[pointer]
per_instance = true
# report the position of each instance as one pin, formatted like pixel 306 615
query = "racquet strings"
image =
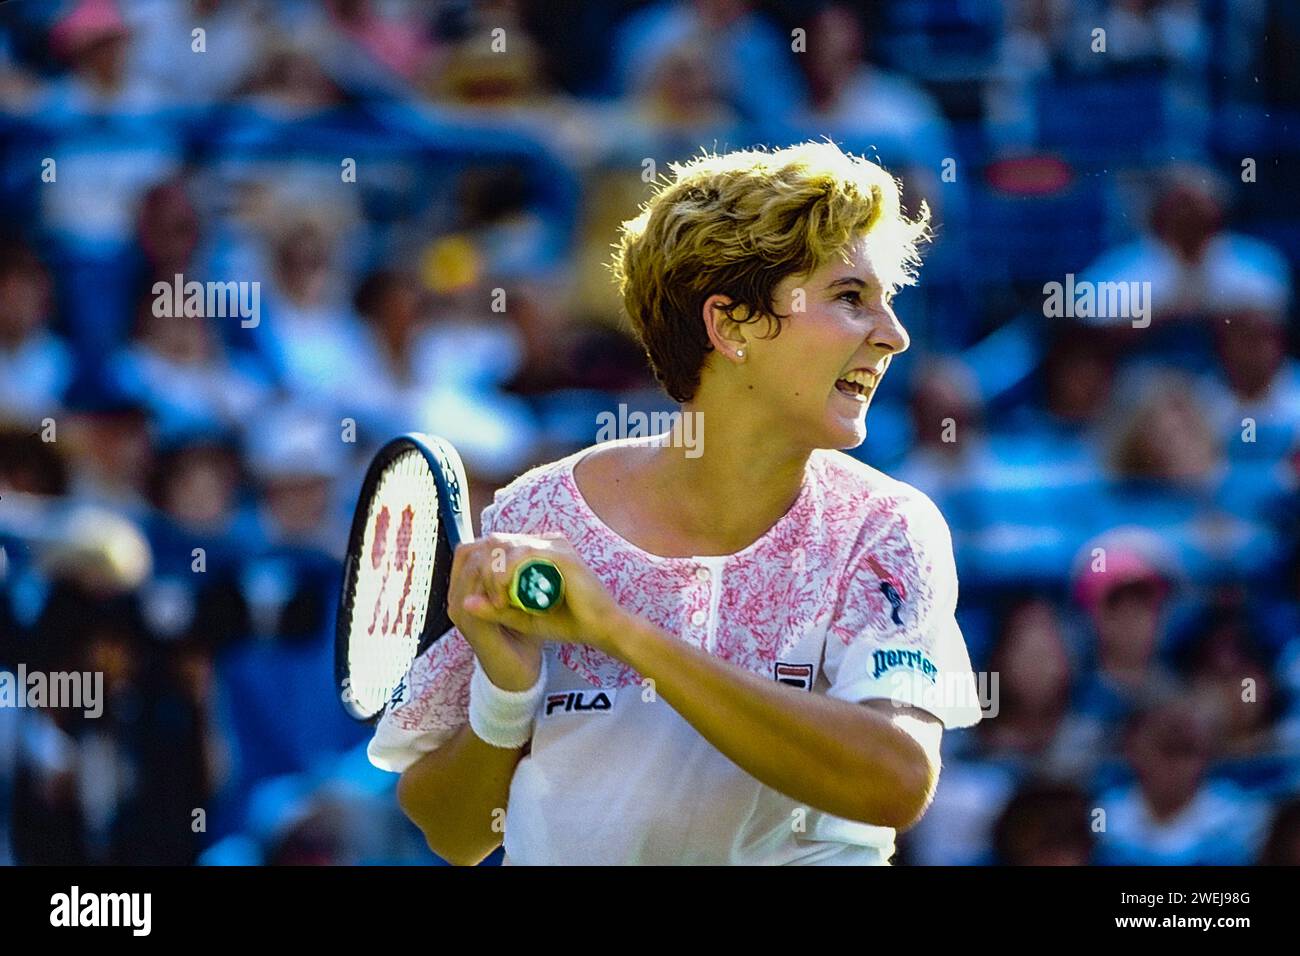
pixel 395 570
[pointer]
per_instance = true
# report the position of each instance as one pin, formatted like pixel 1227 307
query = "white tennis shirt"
pixel 851 593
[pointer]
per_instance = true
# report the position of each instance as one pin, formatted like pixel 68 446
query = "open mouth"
pixel 856 384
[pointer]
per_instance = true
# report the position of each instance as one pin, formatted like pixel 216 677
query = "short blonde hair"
pixel 739 223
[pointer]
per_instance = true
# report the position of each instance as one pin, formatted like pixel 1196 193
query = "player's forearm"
pixel 457 796
pixel 838 757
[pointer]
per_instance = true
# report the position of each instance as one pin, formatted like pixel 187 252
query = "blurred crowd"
pixel 425 194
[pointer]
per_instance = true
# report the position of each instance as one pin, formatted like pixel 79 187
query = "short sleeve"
pixel 894 633
pixel 435 701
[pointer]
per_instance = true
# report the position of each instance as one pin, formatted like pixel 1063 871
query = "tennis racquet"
pixel 411 514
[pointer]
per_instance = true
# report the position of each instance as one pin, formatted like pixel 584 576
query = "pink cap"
pixel 1131 556
pixel 89 20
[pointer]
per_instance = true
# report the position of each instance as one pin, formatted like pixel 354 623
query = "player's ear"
pixel 727 335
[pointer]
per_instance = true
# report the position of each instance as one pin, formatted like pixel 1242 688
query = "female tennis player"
pixel 757 653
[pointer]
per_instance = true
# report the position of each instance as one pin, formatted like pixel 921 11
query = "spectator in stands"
pixel 452 379
pixel 156 757
pixel 393 309
pixel 1124 581
pixel 477 78
pixel 478 73
pixel 1034 683
pixel 36 366
pixel 119 788
pixel 1164 437
pixel 313 339
pixel 281 713
pixel 1077 376
pixel 19 85
pixel 288 80
pixel 1029 688
pixel 957 829
pixel 339 825
pixel 1028 50
pixel 948 448
pixel 1256 383
pixel 446 375
pixel 1196 268
pixel 45 824
pixel 849 97
pixel 88 619
pixel 31 466
pixel 295 457
pixel 683 92
pixel 168 232
pixel 178 368
pixel 95 41
pixel 1152 33
pixel 1171 814
pixel 768 87
pixel 108 148
pixel 1170 475
pixel 1231 672
pixel 398 40
pixel 680 100
pixel 1282 847
pixel 110 440
pixel 1281 614
pixel 195 488
pixel 163 58
pixel 199 534
pixel 28 466
pixel 1045 824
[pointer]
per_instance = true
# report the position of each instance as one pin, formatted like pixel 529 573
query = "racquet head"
pixel 412 512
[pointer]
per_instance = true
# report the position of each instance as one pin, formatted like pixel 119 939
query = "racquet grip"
pixel 537 586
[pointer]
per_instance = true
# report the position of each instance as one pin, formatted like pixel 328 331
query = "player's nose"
pixel 888 334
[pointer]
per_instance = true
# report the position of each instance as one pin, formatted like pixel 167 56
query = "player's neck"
pixel 734 484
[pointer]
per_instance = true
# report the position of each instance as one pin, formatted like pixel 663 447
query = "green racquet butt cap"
pixel 537 587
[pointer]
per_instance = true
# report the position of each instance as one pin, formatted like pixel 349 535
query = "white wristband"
pixel 503 718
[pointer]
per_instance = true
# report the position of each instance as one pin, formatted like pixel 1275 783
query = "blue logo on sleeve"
pixel 886 660
pixel 896 602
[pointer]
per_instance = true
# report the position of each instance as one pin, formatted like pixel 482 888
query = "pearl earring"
pixel 740 353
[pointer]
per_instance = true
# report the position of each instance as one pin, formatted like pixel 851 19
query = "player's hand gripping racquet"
pixel 411 515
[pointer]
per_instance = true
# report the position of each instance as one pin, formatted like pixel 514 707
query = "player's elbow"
pixel 413 799
pixel 409 797
pixel 456 857
pixel 903 801
pixel 451 853
pixel 446 835
pixel 918 779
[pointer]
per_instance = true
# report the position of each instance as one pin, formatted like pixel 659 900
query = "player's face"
pixel 828 360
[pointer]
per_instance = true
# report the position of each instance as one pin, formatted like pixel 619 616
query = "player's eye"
pixel 854 297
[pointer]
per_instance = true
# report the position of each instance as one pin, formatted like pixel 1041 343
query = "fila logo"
pixel 796 675
pixel 579 702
